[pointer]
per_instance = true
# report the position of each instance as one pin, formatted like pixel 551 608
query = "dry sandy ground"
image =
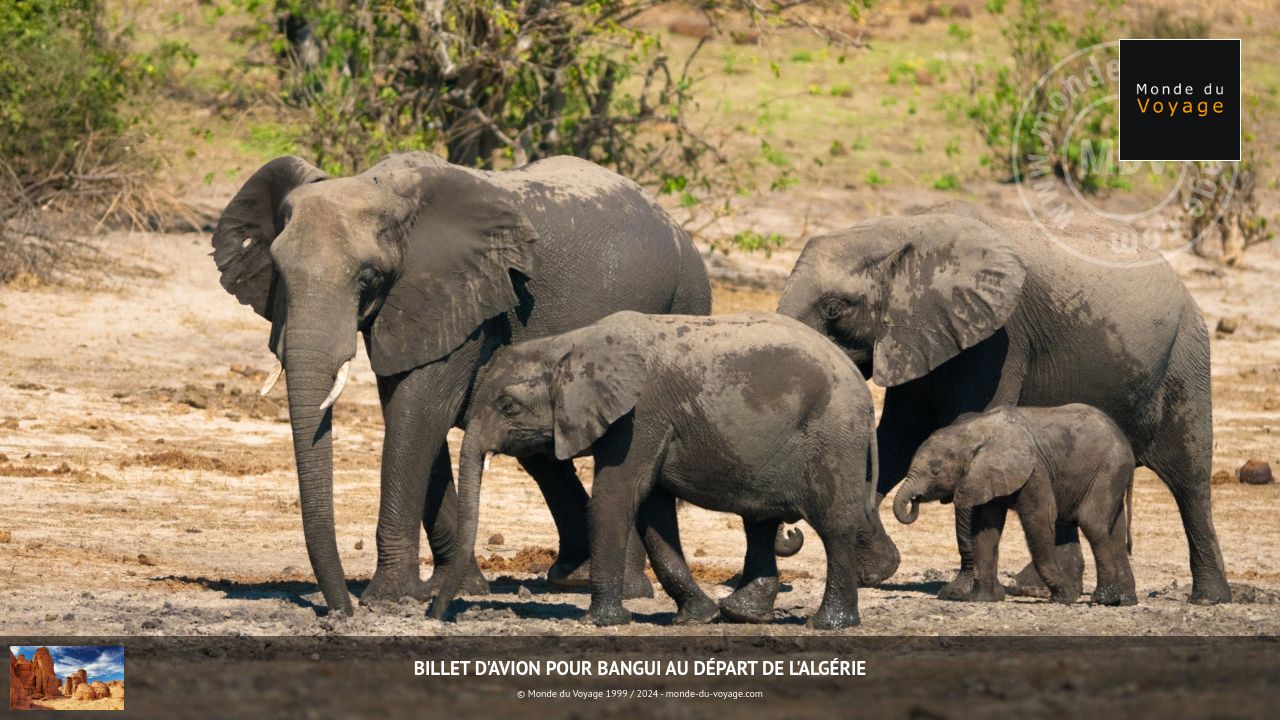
pixel 147 490
pixel 66 703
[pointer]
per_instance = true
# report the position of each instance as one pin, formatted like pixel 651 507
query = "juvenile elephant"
pixel 753 414
pixel 956 310
pixel 1065 466
pixel 437 265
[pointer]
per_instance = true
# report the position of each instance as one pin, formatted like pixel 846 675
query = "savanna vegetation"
pixel 129 112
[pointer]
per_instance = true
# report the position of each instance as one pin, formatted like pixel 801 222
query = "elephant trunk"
pixel 315 356
pixel 471 466
pixel 907 495
pixel 787 543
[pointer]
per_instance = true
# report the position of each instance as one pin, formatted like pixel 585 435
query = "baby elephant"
pixel 1061 466
pixel 753 414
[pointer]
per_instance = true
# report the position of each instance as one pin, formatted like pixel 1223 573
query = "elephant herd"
pixel 555 311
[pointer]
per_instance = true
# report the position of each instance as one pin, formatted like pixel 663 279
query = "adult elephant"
pixel 436 265
pixel 956 310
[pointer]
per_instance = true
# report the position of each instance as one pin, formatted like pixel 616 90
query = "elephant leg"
pixel 1186 471
pixel 1037 512
pixel 417 490
pixel 626 460
pixel 567 501
pixel 961 586
pixel 661 534
pixel 1070 557
pixel 839 608
pixel 988 524
pixel 752 602
pixel 1108 538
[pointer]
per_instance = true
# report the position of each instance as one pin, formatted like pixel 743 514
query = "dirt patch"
pixel 182 460
pixel 726 575
pixel 534 560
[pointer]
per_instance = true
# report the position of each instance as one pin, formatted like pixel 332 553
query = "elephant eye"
pixel 368 278
pixel 508 405
pixel 833 308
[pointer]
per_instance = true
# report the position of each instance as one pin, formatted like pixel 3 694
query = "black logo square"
pixel 1180 100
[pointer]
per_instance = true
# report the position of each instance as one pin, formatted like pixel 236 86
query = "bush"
pixel 503 83
pixel 1038 39
pixel 66 151
pixel 61 77
pixel 482 82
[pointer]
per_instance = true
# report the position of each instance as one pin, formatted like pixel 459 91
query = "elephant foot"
pixel 751 603
pixel 1027 583
pixel 607 615
pixel 877 563
pixel 574 576
pixel 567 575
pixel 829 619
pixel 1111 595
pixel 385 587
pixel 1064 596
pixel 1210 593
pixel 986 593
pixel 959 588
pixel 698 610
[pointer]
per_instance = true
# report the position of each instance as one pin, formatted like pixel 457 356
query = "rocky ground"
pixel 149 490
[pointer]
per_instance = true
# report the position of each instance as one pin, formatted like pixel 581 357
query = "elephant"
pixel 753 414
pixel 957 310
pixel 1061 467
pixel 437 265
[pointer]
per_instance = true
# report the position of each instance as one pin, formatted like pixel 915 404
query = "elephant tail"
pixel 1128 527
pixel 788 542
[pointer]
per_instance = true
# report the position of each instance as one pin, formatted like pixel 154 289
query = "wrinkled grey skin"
pixel 1059 468
pixel 956 310
pixel 753 414
pixel 437 265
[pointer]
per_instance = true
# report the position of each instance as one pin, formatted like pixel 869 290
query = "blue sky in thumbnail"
pixel 100 662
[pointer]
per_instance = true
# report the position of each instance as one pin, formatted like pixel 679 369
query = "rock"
pixel 18 697
pixel 43 676
pixel 1221 477
pixel 1255 472
pixel 83 692
pixel 100 690
pixel 117 689
pixel 1228 324
pixel 143 559
pixel 524 593
pixel 496 539
pixel 360 544
pixel 78 679
pixel 66 687
pixel 23 670
pixel 6 536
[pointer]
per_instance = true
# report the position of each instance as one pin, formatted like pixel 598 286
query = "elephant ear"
pixel 953 282
pixel 466 249
pixel 594 384
pixel 242 240
pixel 1002 464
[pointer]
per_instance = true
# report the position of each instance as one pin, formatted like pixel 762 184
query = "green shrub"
pixel 62 78
pixel 1038 39
pixel 68 153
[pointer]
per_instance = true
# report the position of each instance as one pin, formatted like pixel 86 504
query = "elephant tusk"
pixel 487 457
pixel 272 378
pixel 339 383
